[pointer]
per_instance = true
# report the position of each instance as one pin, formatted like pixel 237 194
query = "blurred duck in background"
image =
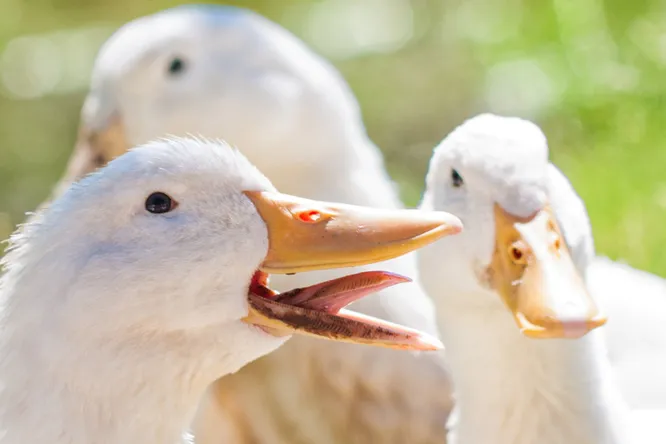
pixel 228 73
pixel 146 281
pixel 531 358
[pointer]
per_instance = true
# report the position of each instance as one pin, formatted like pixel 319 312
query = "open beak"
pixel 306 235
pixel 319 311
pixel 533 272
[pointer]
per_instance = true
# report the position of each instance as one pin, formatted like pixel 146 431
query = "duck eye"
pixel 456 179
pixel 176 66
pixel 158 203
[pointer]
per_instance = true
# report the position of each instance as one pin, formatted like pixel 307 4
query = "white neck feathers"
pixel 512 390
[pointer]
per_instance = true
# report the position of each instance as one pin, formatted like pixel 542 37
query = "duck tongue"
pixel 332 296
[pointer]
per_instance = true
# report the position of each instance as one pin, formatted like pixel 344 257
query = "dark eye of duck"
pixel 176 66
pixel 158 203
pixel 456 179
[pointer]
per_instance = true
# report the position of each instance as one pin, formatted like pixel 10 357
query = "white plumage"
pixel 229 73
pixel 146 281
pixel 514 389
pixel 114 320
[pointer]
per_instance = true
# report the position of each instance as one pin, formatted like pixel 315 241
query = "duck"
pixel 532 347
pixel 147 280
pixel 229 73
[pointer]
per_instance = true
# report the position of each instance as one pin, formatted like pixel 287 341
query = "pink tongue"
pixel 334 295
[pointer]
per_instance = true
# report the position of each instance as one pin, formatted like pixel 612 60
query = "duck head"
pixel 494 173
pixel 181 235
pixel 221 72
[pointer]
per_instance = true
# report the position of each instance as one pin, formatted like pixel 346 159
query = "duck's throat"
pixel 512 389
pixel 62 400
pixel 105 392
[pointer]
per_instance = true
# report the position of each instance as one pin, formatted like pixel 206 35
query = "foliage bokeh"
pixel 589 72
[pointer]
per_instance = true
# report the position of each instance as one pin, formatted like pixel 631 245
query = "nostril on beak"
pixel 518 253
pixel 557 244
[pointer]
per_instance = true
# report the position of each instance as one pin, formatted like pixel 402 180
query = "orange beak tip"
pixel 532 333
pixel 566 330
pixel 598 321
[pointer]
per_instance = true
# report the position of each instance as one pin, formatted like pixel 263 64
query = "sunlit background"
pixel 592 73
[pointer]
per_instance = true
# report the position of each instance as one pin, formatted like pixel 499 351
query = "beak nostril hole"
pixel 309 216
pixel 557 244
pixel 517 254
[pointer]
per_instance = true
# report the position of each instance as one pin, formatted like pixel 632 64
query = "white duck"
pixel 517 273
pixel 229 73
pixel 145 282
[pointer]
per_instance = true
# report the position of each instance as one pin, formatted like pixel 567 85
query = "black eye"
pixel 176 66
pixel 158 203
pixel 456 179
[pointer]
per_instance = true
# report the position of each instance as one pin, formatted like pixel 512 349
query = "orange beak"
pixel 534 274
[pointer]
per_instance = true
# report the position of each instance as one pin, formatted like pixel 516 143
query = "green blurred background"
pixel 590 72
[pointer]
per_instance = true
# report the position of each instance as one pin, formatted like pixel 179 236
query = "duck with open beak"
pixel 534 274
pixel 306 235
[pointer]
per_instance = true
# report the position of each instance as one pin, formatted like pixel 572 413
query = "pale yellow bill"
pixel 533 272
pixel 306 235
pixel 93 150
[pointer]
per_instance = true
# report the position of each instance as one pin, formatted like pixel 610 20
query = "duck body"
pixel 636 305
pixel 242 72
pixel 511 388
pixel 505 391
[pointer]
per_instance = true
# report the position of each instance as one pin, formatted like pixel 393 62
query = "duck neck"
pixel 349 170
pixel 101 392
pixel 512 389
pixel 67 382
